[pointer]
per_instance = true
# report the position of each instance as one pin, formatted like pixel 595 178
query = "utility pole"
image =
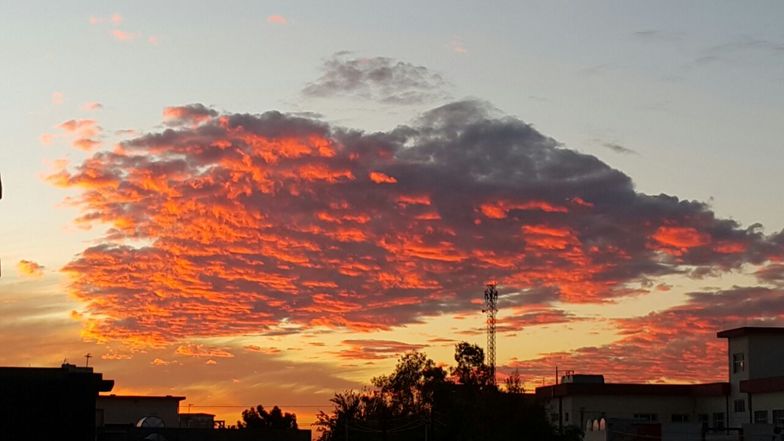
pixel 491 308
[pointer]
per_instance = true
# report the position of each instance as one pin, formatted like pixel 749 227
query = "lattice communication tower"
pixel 491 308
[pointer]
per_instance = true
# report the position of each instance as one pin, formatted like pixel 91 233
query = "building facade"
pixel 753 394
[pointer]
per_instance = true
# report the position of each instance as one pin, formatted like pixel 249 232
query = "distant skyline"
pixel 267 202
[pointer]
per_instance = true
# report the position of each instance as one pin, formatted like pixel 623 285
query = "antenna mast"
pixel 491 308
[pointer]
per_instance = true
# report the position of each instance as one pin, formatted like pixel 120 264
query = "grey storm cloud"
pixel 253 220
pixel 381 79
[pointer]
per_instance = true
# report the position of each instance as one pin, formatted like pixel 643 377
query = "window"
pixel 738 362
pixel 740 406
pixel 761 417
pixel 680 418
pixel 566 417
pixel 718 420
pixel 647 417
pixel 554 417
pixel 778 417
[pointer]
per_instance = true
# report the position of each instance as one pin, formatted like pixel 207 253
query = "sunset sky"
pixel 267 202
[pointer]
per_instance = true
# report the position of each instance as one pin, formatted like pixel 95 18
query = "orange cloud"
pixel 83 133
pixel 197 350
pixel 277 19
pixel 256 222
pixel 125 36
pixel 28 268
pixel 381 178
pixel 677 240
pixel 57 98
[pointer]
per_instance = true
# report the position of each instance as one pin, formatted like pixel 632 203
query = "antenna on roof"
pixel 87 358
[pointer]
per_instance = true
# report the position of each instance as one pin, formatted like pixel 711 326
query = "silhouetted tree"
pixel 513 383
pixel 259 418
pixel 471 369
pixel 418 401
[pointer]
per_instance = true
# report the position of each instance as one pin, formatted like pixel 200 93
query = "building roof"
pixel 762 385
pixel 692 390
pixel 140 397
pixel 751 330
pixel 63 373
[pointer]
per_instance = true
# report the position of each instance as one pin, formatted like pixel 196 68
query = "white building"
pixel 754 392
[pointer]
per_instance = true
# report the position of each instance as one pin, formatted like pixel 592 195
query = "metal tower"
pixel 491 308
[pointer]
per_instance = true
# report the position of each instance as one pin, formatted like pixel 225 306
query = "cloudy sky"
pixel 266 202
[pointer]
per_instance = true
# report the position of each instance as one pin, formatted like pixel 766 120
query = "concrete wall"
pixel 766 356
pixel 739 345
pixel 768 402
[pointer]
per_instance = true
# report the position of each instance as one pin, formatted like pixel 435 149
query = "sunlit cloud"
pixel 28 268
pixel 277 19
pixel 676 344
pixel 197 350
pixel 273 223
pixel 91 106
pixel 121 35
pixel 57 98
pixel 457 46
pixel 83 132
pixel 375 349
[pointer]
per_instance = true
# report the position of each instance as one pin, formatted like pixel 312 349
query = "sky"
pixel 249 202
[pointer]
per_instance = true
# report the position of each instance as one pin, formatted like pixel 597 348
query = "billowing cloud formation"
pixel 28 268
pixel 379 78
pixel 253 222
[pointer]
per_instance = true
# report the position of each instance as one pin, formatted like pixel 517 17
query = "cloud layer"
pixel 379 79
pixel 273 222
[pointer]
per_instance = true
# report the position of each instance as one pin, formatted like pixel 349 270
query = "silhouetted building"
pixel 128 410
pixel 49 403
pixel 197 420
pixel 754 394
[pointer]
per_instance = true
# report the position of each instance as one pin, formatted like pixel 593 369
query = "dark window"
pixel 566 417
pixel 647 417
pixel 761 416
pixel 718 420
pixel 740 406
pixel 703 418
pixel 778 417
pixel 680 418
pixel 738 363
pixel 554 417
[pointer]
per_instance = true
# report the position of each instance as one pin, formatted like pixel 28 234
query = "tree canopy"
pixel 258 418
pixel 421 401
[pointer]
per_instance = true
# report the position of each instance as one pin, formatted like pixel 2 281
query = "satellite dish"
pixel 152 422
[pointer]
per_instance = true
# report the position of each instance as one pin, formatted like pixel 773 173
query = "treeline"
pixel 422 401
